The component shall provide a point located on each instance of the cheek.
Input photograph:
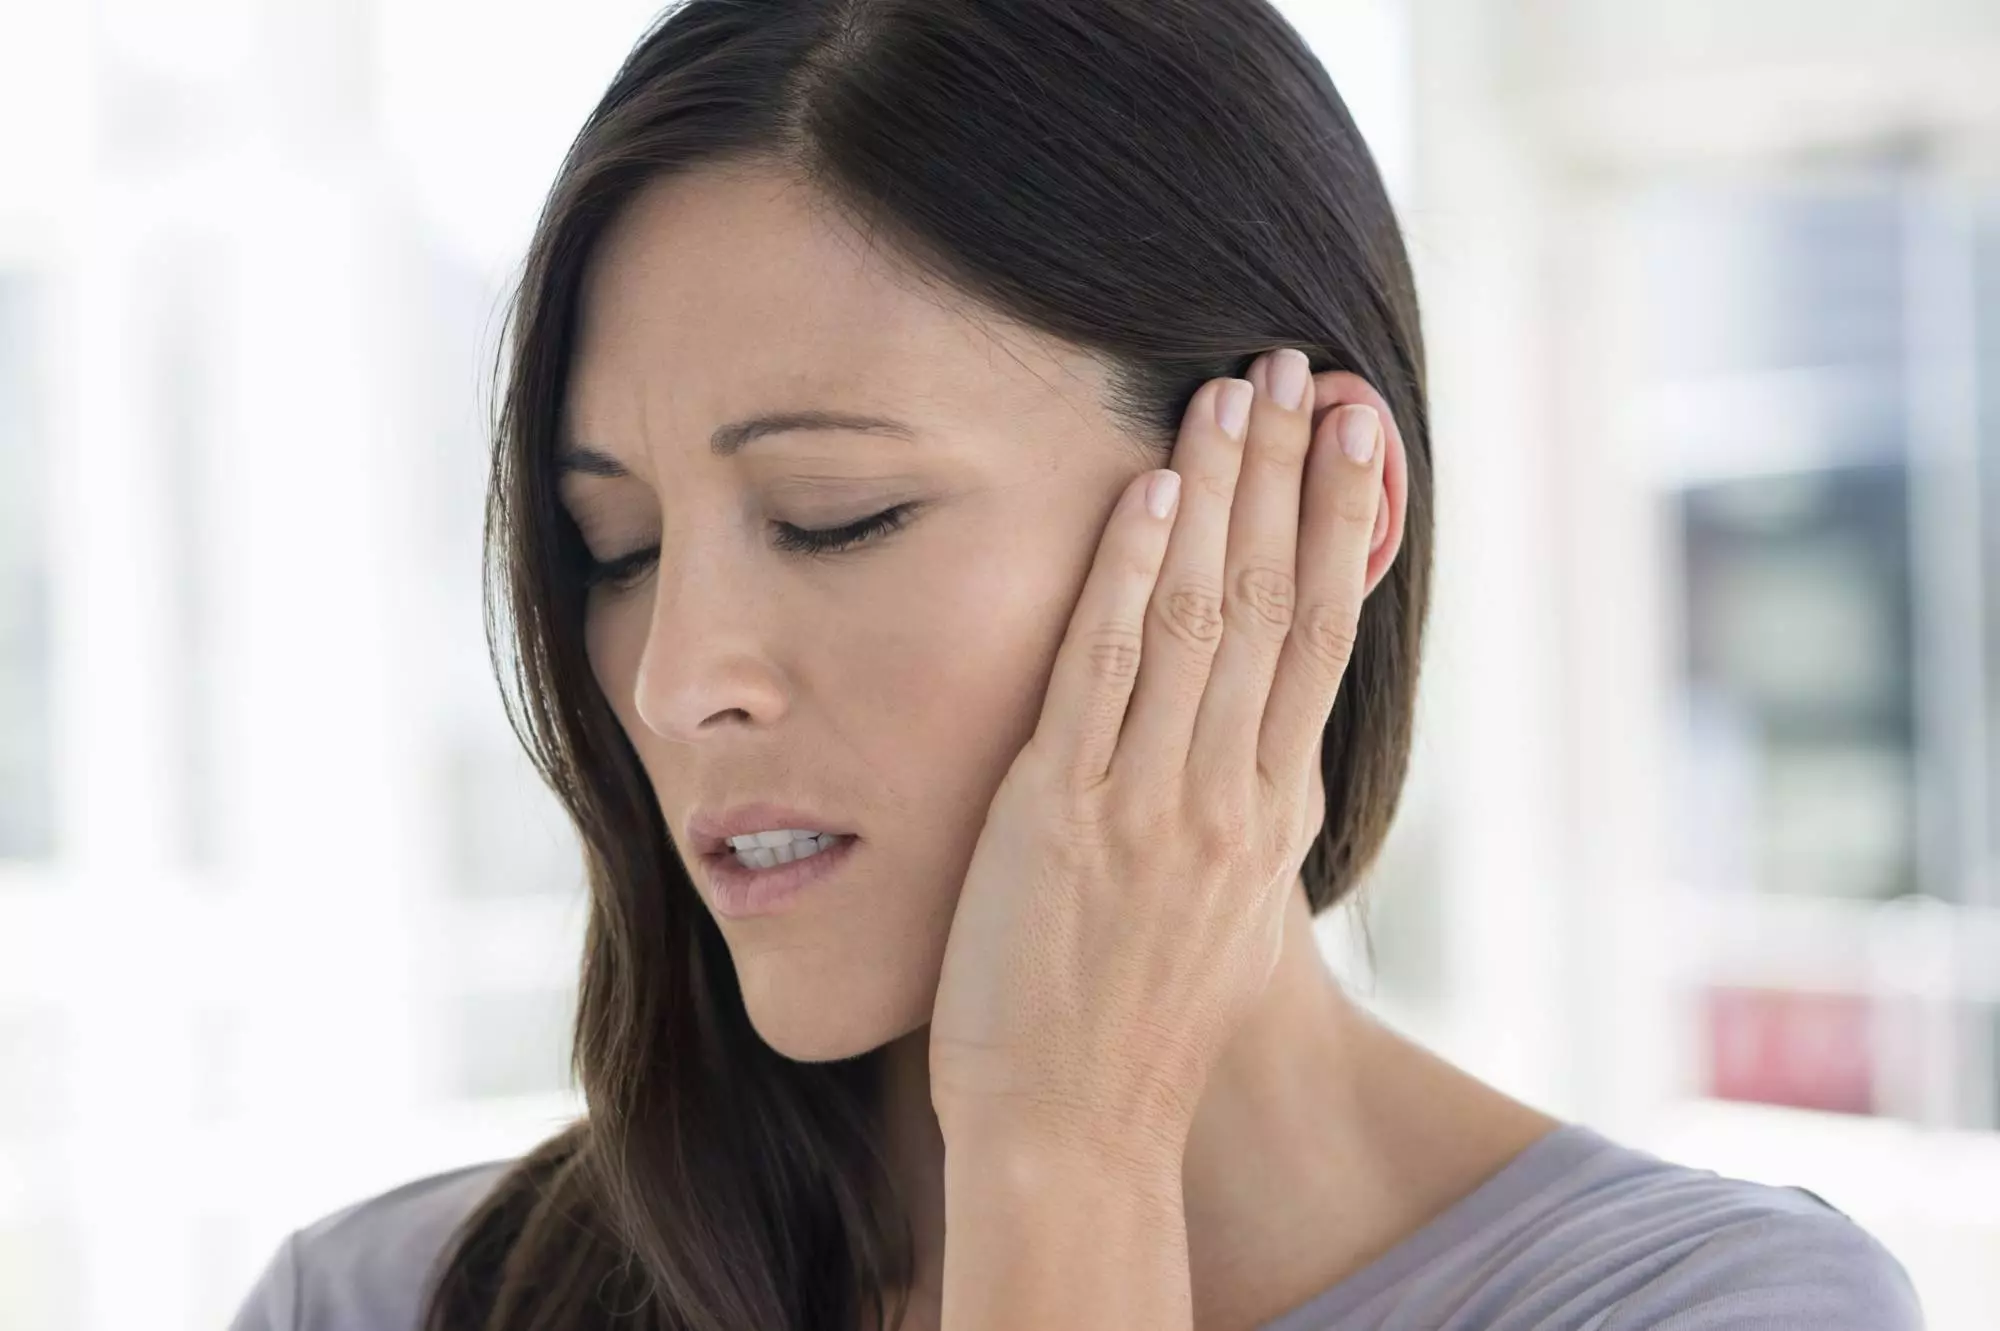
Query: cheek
(957, 661)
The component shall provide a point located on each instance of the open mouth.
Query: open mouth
(779, 852)
(756, 883)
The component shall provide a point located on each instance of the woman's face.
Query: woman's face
(889, 685)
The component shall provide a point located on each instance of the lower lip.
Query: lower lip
(740, 892)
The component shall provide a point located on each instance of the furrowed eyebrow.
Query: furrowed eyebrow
(729, 440)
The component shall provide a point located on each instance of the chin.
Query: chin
(827, 1020)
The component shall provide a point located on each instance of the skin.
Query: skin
(895, 684)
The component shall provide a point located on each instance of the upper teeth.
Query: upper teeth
(781, 837)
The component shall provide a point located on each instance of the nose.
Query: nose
(706, 662)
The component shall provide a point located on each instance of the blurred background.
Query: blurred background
(1702, 840)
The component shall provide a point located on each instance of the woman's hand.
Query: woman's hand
(1125, 903)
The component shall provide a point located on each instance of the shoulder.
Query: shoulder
(1579, 1231)
(364, 1266)
(1641, 1242)
(1780, 1269)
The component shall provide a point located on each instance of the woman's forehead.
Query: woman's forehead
(720, 267)
(714, 299)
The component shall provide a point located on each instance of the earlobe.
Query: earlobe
(1336, 388)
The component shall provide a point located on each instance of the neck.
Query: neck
(1321, 1140)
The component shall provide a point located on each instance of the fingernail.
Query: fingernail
(1287, 377)
(1160, 493)
(1358, 427)
(1232, 407)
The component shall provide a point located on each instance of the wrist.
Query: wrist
(990, 1148)
(1057, 1230)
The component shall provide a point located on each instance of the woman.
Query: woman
(848, 349)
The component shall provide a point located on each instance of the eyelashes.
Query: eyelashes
(812, 543)
(620, 572)
(831, 540)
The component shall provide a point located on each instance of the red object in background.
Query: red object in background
(1788, 1047)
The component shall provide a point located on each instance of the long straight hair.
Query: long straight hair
(1173, 184)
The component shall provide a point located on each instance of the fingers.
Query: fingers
(1261, 574)
(1090, 687)
(1184, 623)
(1337, 525)
(1242, 603)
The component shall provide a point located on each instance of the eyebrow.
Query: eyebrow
(729, 440)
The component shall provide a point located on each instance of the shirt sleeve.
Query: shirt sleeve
(1789, 1272)
(273, 1301)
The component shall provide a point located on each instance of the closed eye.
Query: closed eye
(799, 540)
(625, 570)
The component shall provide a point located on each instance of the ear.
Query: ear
(1338, 388)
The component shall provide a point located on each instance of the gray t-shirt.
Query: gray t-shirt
(1576, 1233)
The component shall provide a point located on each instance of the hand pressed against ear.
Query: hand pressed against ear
(1298, 529)
(1125, 901)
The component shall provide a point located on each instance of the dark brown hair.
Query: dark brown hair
(1173, 184)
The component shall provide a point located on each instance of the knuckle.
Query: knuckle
(1220, 825)
(1223, 831)
(1077, 792)
(1268, 594)
(1112, 654)
(1191, 612)
(1327, 632)
(1284, 451)
(1216, 486)
(1079, 823)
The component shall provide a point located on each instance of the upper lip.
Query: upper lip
(710, 829)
